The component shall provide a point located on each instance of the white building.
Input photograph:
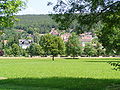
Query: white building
(24, 44)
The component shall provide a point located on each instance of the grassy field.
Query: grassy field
(61, 74)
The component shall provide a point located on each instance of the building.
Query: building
(4, 41)
(24, 44)
(65, 36)
(86, 38)
(20, 30)
(54, 32)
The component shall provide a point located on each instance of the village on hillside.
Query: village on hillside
(84, 38)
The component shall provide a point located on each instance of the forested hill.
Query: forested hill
(41, 24)
(35, 23)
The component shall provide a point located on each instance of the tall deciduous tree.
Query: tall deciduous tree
(73, 46)
(53, 45)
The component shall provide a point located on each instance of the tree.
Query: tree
(90, 12)
(84, 11)
(109, 36)
(8, 51)
(36, 38)
(35, 50)
(53, 45)
(73, 46)
(15, 50)
(89, 50)
(24, 52)
(8, 9)
(98, 46)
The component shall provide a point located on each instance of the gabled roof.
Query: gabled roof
(54, 32)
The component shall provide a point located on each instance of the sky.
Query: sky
(37, 7)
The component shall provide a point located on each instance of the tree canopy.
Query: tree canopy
(84, 11)
(52, 45)
(8, 9)
(73, 46)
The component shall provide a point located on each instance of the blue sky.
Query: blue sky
(37, 7)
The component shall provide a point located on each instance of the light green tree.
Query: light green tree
(89, 50)
(35, 50)
(15, 50)
(52, 45)
(73, 46)
(98, 46)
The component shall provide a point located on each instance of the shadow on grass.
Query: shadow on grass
(108, 60)
(60, 83)
(104, 61)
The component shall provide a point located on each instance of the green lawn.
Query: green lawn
(61, 74)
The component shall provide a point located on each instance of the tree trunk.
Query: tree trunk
(53, 58)
(73, 57)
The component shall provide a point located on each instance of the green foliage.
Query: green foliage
(85, 12)
(109, 36)
(99, 48)
(53, 45)
(73, 46)
(7, 10)
(15, 50)
(8, 51)
(35, 50)
(24, 52)
(89, 50)
(37, 38)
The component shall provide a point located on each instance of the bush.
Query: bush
(15, 50)
(89, 50)
(35, 50)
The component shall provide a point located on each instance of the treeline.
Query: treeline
(51, 45)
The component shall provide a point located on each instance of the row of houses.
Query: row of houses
(86, 37)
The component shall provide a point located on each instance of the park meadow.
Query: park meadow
(61, 74)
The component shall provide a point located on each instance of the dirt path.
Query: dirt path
(2, 78)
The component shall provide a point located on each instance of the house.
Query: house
(24, 43)
(86, 38)
(20, 30)
(65, 36)
(4, 41)
(54, 32)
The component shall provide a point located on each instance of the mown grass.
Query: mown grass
(61, 74)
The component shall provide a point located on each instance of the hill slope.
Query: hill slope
(35, 23)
